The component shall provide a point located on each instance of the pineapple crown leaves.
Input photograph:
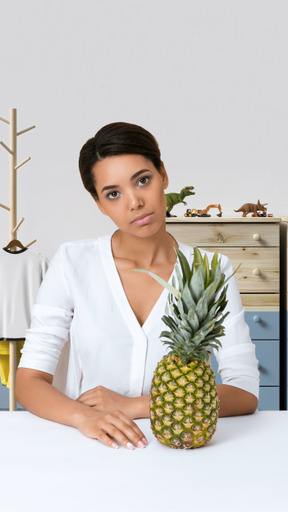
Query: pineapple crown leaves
(194, 309)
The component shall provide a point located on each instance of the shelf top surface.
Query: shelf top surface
(254, 220)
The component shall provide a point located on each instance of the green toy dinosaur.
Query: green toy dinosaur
(173, 198)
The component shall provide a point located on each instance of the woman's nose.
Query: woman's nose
(135, 201)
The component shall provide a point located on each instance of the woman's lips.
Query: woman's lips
(143, 219)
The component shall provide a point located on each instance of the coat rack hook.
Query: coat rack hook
(30, 243)
(22, 163)
(18, 225)
(4, 120)
(5, 207)
(6, 147)
(26, 130)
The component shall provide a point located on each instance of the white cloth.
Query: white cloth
(21, 274)
(82, 294)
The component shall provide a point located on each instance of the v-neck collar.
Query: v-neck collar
(120, 295)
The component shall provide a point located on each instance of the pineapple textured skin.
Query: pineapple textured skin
(183, 403)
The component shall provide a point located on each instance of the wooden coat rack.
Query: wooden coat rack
(13, 227)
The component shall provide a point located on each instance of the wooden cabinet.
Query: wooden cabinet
(255, 243)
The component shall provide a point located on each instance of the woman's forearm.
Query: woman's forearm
(34, 391)
(235, 401)
(36, 394)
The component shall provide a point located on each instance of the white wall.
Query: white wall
(208, 78)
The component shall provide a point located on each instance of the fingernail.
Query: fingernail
(130, 446)
(144, 441)
(140, 444)
(114, 445)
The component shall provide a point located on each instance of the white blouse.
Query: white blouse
(82, 300)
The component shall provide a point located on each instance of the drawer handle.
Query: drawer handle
(263, 370)
(256, 271)
(257, 237)
(256, 318)
(220, 238)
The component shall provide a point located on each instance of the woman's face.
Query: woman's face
(131, 192)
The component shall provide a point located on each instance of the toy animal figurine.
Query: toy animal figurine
(252, 208)
(173, 198)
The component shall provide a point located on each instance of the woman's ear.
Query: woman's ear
(164, 176)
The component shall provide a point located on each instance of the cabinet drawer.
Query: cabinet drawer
(4, 399)
(263, 325)
(269, 399)
(267, 353)
(225, 234)
(260, 301)
(259, 270)
(268, 395)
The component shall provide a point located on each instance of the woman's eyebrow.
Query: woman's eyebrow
(109, 187)
(138, 173)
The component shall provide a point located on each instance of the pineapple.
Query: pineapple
(184, 400)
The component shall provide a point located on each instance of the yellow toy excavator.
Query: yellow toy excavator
(203, 213)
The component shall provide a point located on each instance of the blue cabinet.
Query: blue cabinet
(4, 399)
(264, 331)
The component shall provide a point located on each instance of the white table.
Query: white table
(51, 467)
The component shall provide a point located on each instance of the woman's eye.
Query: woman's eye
(144, 180)
(113, 195)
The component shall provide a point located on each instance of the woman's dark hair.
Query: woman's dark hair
(116, 139)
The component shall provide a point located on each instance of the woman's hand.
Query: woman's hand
(104, 399)
(112, 428)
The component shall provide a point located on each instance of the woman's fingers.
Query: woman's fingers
(114, 429)
(132, 425)
(104, 438)
(88, 397)
(87, 400)
(100, 397)
(125, 431)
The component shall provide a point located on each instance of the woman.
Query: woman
(112, 314)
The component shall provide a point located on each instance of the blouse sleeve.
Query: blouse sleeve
(237, 363)
(51, 319)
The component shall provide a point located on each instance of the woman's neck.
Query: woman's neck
(146, 252)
